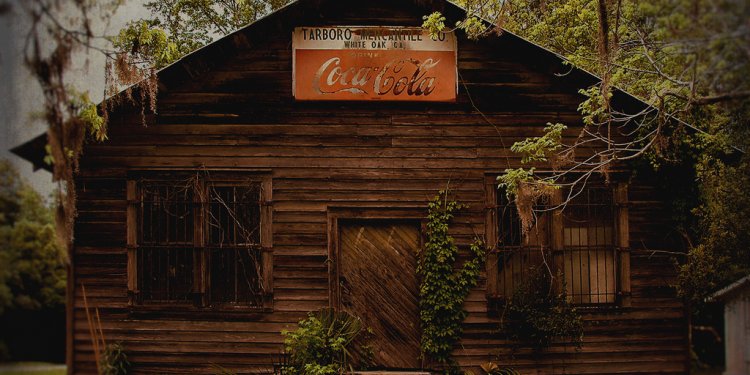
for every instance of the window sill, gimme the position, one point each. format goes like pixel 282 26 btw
pixel 182 311
pixel 495 304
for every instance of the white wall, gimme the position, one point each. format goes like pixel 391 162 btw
pixel 737 333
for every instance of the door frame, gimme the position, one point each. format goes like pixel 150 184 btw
pixel 352 214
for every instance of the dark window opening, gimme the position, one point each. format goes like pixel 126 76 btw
pixel 520 254
pixel 165 257
pixel 590 253
pixel 200 242
pixel 234 245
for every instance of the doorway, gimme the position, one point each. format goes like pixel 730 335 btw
pixel 377 282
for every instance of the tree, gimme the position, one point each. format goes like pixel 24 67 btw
pixel 32 274
pixel 688 59
pixel 177 28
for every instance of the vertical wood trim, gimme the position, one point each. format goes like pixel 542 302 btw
pixel 69 314
pixel 266 238
pixel 490 230
pixel 200 253
pixel 623 242
pixel 333 277
pixel 132 239
pixel 557 241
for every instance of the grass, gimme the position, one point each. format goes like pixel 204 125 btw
pixel 31 368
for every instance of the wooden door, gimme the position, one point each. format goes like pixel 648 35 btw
pixel 378 283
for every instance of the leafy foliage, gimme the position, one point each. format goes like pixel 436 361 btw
pixel 32 274
pixel 686 58
pixel 434 24
pixel 113 360
pixel 443 290
pixel 324 343
pixel 146 42
pixel 539 149
pixel 492 368
pixel 536 314
pixel 723 256
pixel 512 179
pixel 178 27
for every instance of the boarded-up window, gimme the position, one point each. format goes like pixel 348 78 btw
pixel 200 242
pixel 590 246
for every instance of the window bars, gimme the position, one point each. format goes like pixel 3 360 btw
pixel 588 258
pixel 519 254
pixel 589 247
pixel 199 230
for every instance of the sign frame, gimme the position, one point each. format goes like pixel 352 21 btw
pixel 450 44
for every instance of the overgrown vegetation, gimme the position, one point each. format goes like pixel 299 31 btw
pixel 442 289
pixel 492 368
pixel 114 361
pixel 537 313
pixel 689 60
pixel 326 342
pixel 110 358
pixel 32 272
pixel 176 28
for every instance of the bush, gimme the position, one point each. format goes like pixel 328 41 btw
pixel 536 314
pixel 326 342
pixel 114 361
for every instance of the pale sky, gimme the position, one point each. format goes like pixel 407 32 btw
pixel 20 95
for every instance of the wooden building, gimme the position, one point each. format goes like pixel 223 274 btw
pixel 238 208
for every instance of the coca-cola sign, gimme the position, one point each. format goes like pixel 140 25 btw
pixel 373 63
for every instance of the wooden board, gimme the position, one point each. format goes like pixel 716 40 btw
pixel 379 284
pixel 235 111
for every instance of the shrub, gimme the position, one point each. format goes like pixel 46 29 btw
pixel 325 343
pixel 536 314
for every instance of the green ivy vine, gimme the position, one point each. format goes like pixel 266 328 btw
pixel 443 289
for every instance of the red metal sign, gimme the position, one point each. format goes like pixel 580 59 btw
pixel 373 63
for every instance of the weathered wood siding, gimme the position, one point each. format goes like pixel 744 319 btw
pixel 230 106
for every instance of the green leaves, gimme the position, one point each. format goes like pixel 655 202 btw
pixel 114 361
pixel 323 343
pixel 536 314
pixel 32 275
pixel 538 149
pixel 146 42
pixel 434 24
pixel 88 115
pixel 442 290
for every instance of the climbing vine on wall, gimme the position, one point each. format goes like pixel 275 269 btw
pixel 443 289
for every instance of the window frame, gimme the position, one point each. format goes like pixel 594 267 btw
pixel 201 247
pixel 556 242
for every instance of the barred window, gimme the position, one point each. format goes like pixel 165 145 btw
pixel 579 243
pixel 590 252
pixel 519 254
pixel 199 242
pixel 165 256
pixel 234 244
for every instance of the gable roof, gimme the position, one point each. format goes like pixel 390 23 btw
pixel 731 290
pixel 205 58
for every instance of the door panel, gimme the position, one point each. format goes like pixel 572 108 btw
pixel 379 284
